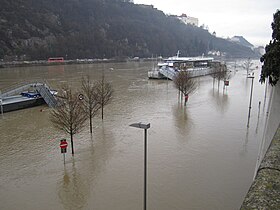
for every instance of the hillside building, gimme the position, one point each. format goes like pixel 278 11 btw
pixel 188 20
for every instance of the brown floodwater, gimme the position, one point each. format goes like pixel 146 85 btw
pixel 201 156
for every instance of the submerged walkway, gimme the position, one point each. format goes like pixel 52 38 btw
pixel 265 190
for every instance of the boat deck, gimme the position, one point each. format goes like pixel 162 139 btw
pixel 21 97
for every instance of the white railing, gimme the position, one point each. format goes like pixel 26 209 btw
pixel 42 88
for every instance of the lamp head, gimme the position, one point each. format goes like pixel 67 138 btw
pixel 141 125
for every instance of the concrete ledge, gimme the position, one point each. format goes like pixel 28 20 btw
pixel 265 190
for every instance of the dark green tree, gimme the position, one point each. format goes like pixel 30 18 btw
pixel 271 58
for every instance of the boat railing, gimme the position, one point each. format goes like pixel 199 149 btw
pixel 6 91
pixel 40 86
pixel 21 86
pixel 9 90
pixel 16 89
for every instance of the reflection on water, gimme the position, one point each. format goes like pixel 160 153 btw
pixel 221 100
pixel 72 191
pixel 200 156
pixel 182 120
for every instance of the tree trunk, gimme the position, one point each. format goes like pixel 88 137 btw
pixel 90 123
pixel 186 98
pixel 72 144
pixel 102 112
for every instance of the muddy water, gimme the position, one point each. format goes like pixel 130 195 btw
pixel 201 156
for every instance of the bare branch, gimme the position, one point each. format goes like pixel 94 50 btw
pixel 104 93
pixel 90 100
pixel 184 83
pixel 70 116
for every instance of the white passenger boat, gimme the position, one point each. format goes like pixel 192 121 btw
pixel 196 66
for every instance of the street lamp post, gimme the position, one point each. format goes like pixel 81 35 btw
pixel 145 127
pixel 1 103
pixel 251 77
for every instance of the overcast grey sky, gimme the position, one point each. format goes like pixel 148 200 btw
pixel 248 18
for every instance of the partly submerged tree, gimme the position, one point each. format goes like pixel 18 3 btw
pixel 104 93
pixel 271 58
pixel 70 115
pixel 184 83
pixel 247 65
pixel 90 99
pixel 219 72
pixel 222 74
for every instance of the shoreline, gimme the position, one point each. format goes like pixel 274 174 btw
pixel 11 64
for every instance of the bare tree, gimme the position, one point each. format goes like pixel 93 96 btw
pixel 104 93
pixel 184 83
pixel 219 72
pixel 70 115
pixel 247 65
pixel 90 99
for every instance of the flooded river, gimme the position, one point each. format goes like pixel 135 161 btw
pixel 201 156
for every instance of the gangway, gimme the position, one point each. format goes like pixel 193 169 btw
pixel 167 72
pixel 46 94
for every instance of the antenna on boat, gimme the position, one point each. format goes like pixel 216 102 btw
pixel 178 53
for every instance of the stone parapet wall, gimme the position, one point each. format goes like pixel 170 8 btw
pixel 264 193
pixel 265 190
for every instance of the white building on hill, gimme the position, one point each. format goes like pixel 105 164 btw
pixel 188 20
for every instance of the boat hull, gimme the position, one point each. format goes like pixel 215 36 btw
pixel 195 66
pixel 19 102
pixel 155 75
pixel 193 73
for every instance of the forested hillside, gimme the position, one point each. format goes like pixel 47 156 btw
pixel 38 29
